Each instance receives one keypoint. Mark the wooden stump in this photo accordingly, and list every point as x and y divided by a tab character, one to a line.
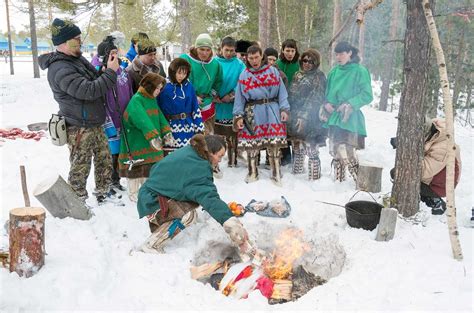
388	221
26	240
60	200
369	178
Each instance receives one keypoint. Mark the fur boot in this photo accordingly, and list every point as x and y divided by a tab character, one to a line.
339	170
298	159
252	175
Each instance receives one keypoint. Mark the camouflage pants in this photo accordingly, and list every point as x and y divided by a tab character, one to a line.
92	144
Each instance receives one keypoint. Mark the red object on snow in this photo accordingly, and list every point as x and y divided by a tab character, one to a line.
19	133
265	285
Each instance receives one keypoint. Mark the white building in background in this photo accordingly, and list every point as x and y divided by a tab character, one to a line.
170	51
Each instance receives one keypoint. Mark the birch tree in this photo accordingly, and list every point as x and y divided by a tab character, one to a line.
448	107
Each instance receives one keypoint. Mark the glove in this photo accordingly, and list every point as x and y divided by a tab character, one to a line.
346	110
236	231
156	143
169	140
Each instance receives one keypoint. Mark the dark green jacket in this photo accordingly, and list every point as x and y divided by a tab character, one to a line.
184	175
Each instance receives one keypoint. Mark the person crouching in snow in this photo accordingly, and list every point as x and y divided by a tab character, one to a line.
166	201
145	129
260	110
433	168
117	99
179	104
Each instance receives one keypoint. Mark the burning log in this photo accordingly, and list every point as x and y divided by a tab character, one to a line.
282	289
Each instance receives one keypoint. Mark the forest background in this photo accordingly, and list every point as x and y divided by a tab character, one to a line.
313	23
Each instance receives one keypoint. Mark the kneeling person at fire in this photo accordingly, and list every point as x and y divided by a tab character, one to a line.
182	182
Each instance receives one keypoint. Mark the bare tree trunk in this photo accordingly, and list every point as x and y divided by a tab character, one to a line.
306	25
185	25
34	40
277	21
336	25
362	41
10	50
264	9
114	7
409	156
448	107
390	53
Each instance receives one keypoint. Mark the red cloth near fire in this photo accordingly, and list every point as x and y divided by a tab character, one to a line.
265	285
19	133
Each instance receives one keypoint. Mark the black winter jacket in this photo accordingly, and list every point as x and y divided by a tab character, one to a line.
78	88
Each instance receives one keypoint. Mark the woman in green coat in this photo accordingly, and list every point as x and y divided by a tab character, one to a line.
348	89
145	127
181	183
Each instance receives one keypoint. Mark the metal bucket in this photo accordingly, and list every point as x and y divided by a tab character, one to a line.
363	214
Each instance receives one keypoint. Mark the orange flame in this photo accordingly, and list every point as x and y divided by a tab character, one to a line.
290	246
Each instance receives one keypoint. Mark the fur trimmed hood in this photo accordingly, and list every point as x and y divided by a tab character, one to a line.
198	143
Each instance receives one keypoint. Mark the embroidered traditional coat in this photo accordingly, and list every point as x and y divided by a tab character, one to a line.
306	96
177	99
262	124
142	122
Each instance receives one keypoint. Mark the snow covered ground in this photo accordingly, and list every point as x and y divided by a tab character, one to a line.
89	266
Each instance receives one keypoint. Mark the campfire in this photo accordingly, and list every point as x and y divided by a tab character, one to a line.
284	276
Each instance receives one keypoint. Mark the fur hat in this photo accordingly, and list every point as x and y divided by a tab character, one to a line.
146	46
314	55
107	45
139	36
150	81
63	30
203	40
242	46
271	52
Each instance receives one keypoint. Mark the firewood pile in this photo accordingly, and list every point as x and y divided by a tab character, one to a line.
278	278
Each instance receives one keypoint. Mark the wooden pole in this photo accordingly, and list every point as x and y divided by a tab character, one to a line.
448	108
24	188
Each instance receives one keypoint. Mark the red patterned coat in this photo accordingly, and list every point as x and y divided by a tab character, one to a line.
262	124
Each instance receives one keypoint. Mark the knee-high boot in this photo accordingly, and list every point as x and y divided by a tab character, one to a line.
314	164
353	167
298	157
275	165
339	170
252	175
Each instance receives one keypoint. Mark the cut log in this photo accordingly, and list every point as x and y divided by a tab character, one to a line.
388	221
26	240
4	259
60	200
282	289
369	178
205	270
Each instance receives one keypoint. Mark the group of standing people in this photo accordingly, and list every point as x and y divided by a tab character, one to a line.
167	133
256	99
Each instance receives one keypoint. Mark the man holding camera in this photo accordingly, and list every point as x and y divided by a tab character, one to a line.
80	92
